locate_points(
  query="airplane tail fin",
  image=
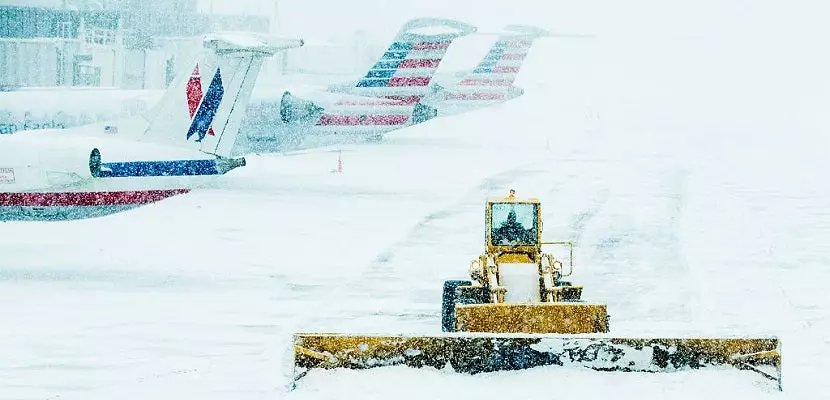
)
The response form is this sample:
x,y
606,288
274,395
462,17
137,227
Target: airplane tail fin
x,y
209,122
492,79
405,69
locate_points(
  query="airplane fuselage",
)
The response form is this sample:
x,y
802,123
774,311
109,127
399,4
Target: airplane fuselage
x,y
49,176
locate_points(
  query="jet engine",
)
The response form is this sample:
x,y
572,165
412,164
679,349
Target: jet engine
x,y
294,109
423,112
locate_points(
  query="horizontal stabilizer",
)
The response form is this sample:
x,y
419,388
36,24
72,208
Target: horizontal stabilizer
x,y
125,169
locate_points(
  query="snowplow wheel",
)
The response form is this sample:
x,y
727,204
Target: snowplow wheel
x,y
448,304
472,295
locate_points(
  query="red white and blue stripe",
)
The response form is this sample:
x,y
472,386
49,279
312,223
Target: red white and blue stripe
x,y
390,89
404,65
492,79
395,84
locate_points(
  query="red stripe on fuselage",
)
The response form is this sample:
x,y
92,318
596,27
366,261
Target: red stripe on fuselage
x,y
409,100
47,199
474,96
362,120
382,101
370,102
485,82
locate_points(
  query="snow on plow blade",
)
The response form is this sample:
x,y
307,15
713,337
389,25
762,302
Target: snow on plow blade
x,y
474,353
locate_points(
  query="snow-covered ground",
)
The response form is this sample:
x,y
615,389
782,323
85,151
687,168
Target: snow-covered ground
x,y
698,207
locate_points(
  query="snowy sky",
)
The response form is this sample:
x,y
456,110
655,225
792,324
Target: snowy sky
x,y
728,60
652,17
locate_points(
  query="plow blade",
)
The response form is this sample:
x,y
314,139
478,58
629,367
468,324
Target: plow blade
x,y
559,317
474,353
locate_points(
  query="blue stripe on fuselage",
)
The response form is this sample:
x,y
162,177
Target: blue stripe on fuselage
x,y
158,168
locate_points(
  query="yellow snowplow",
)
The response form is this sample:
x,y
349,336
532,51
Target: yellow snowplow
x,y
517,312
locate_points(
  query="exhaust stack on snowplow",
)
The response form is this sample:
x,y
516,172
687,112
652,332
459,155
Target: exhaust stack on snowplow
x,y
516,312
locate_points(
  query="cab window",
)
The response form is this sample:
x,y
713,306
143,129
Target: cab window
x,y
514,224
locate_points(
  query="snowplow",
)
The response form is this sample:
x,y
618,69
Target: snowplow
x,y
517,311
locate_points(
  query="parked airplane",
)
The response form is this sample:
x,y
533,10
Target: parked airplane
x,y
492,80
386,98
60,174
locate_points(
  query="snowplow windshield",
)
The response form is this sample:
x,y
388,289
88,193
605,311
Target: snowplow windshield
x,y
513,224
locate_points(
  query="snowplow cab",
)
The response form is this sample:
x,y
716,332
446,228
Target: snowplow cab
x,y
514,286
514,226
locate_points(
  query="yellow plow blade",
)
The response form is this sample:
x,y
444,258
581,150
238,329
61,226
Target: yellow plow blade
x,y
560,317
474,353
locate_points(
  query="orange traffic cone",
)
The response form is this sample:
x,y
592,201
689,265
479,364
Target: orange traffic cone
x,y
339,168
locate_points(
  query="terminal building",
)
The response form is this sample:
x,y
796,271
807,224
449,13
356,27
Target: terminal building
x,y
132,44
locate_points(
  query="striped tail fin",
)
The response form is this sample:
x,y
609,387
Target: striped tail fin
x,y
406,68
388,96
491,81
